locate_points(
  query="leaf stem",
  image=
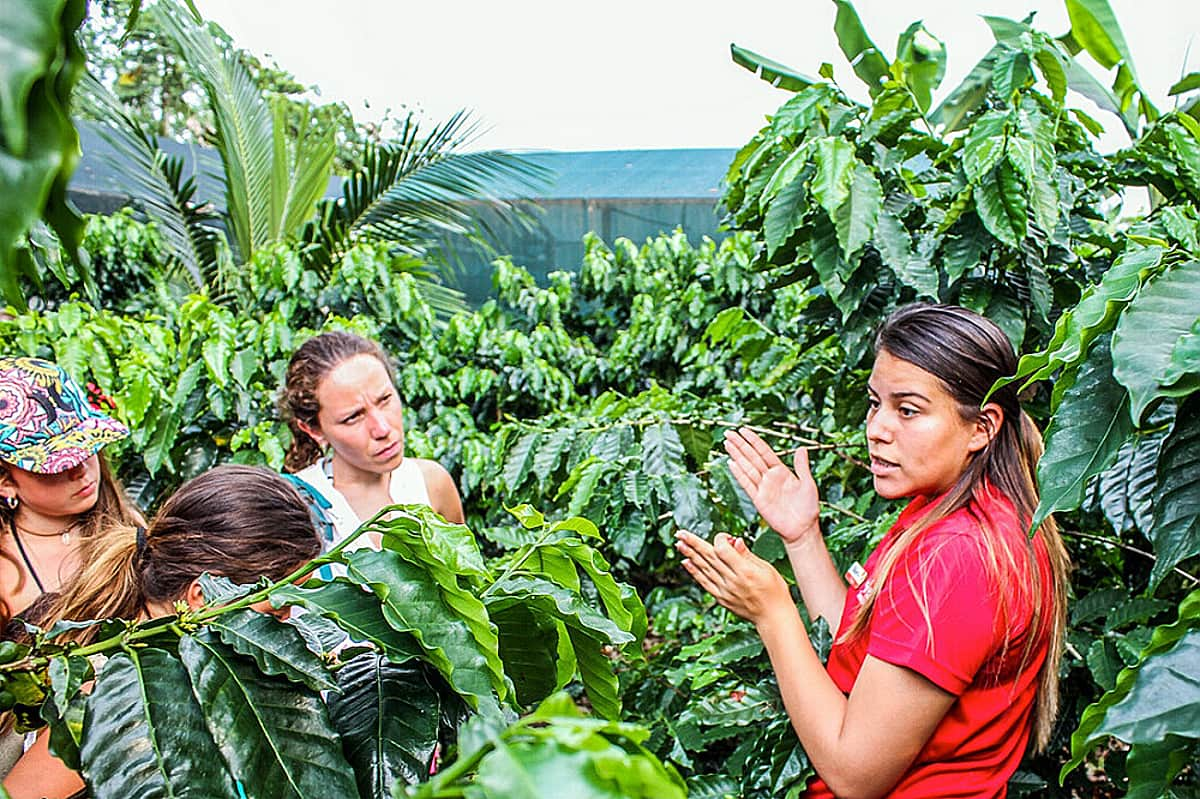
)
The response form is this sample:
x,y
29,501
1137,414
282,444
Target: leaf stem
x,y
464,765
519,562
457,769
785,433
153,627
667,514
1119,544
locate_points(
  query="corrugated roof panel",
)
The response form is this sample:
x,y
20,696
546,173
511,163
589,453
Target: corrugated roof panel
x,y
643,174
601,174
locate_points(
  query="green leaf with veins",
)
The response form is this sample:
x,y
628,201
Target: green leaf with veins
x,y
145,734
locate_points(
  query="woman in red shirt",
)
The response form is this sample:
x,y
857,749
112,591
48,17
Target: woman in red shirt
x,y
947,642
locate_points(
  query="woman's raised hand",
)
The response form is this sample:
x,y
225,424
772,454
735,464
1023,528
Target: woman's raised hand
x,y
787,499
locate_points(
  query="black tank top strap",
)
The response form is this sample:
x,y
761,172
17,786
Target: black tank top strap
x,y
25,557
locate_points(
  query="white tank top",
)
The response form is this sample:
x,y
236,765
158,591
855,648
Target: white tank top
x,y
407,487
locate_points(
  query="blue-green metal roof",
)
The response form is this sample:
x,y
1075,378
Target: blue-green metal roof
x,y
636,174
99,179
603,174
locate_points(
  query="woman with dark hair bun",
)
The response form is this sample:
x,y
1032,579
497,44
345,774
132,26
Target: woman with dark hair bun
x,y
947,641
347,423
240,522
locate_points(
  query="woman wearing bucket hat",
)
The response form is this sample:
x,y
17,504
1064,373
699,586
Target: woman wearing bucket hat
x,y
55,485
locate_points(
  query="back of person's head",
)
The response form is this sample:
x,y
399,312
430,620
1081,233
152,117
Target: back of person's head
x,y
239,522
310,363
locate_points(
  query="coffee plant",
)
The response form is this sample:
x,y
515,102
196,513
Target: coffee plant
x,y
406,642
603,394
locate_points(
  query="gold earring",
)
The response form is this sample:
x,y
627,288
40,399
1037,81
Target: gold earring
x,y
12,502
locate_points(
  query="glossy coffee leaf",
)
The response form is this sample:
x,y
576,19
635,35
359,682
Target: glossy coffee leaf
x,y
277,648
387,715
1090,426
275,735
1145,339
1176,531
451,624
145,735
356,611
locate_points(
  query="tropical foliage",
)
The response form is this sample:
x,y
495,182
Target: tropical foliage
x,y
38,143
602,395
411,191
529,354
407,639
130,53
1006,216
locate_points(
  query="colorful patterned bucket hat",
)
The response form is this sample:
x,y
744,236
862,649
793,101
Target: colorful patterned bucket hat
x,y
46,423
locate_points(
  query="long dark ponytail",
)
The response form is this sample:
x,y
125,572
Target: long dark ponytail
x,y
968,353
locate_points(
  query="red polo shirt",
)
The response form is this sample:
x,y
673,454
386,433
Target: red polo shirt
x,y
961,648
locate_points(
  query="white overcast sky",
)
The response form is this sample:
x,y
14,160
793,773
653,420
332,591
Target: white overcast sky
x,y
561,75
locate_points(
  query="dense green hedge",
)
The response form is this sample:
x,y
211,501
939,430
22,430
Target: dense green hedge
x,y
603,393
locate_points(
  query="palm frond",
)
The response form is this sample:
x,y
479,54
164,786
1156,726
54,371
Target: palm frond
x,y
244,137
298,178
155,180
415,189
443,300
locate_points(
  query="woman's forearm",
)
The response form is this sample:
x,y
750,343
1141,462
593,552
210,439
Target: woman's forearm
x,y
821,587
860,745
40,775
815,706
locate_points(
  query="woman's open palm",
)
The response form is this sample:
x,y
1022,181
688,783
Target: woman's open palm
x,y
787,499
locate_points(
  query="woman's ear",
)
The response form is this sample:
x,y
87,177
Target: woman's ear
x,y
194,595
8,487
312,432
987,425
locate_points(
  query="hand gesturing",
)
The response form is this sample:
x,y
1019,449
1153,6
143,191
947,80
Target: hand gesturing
x,y
737,578
787,500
